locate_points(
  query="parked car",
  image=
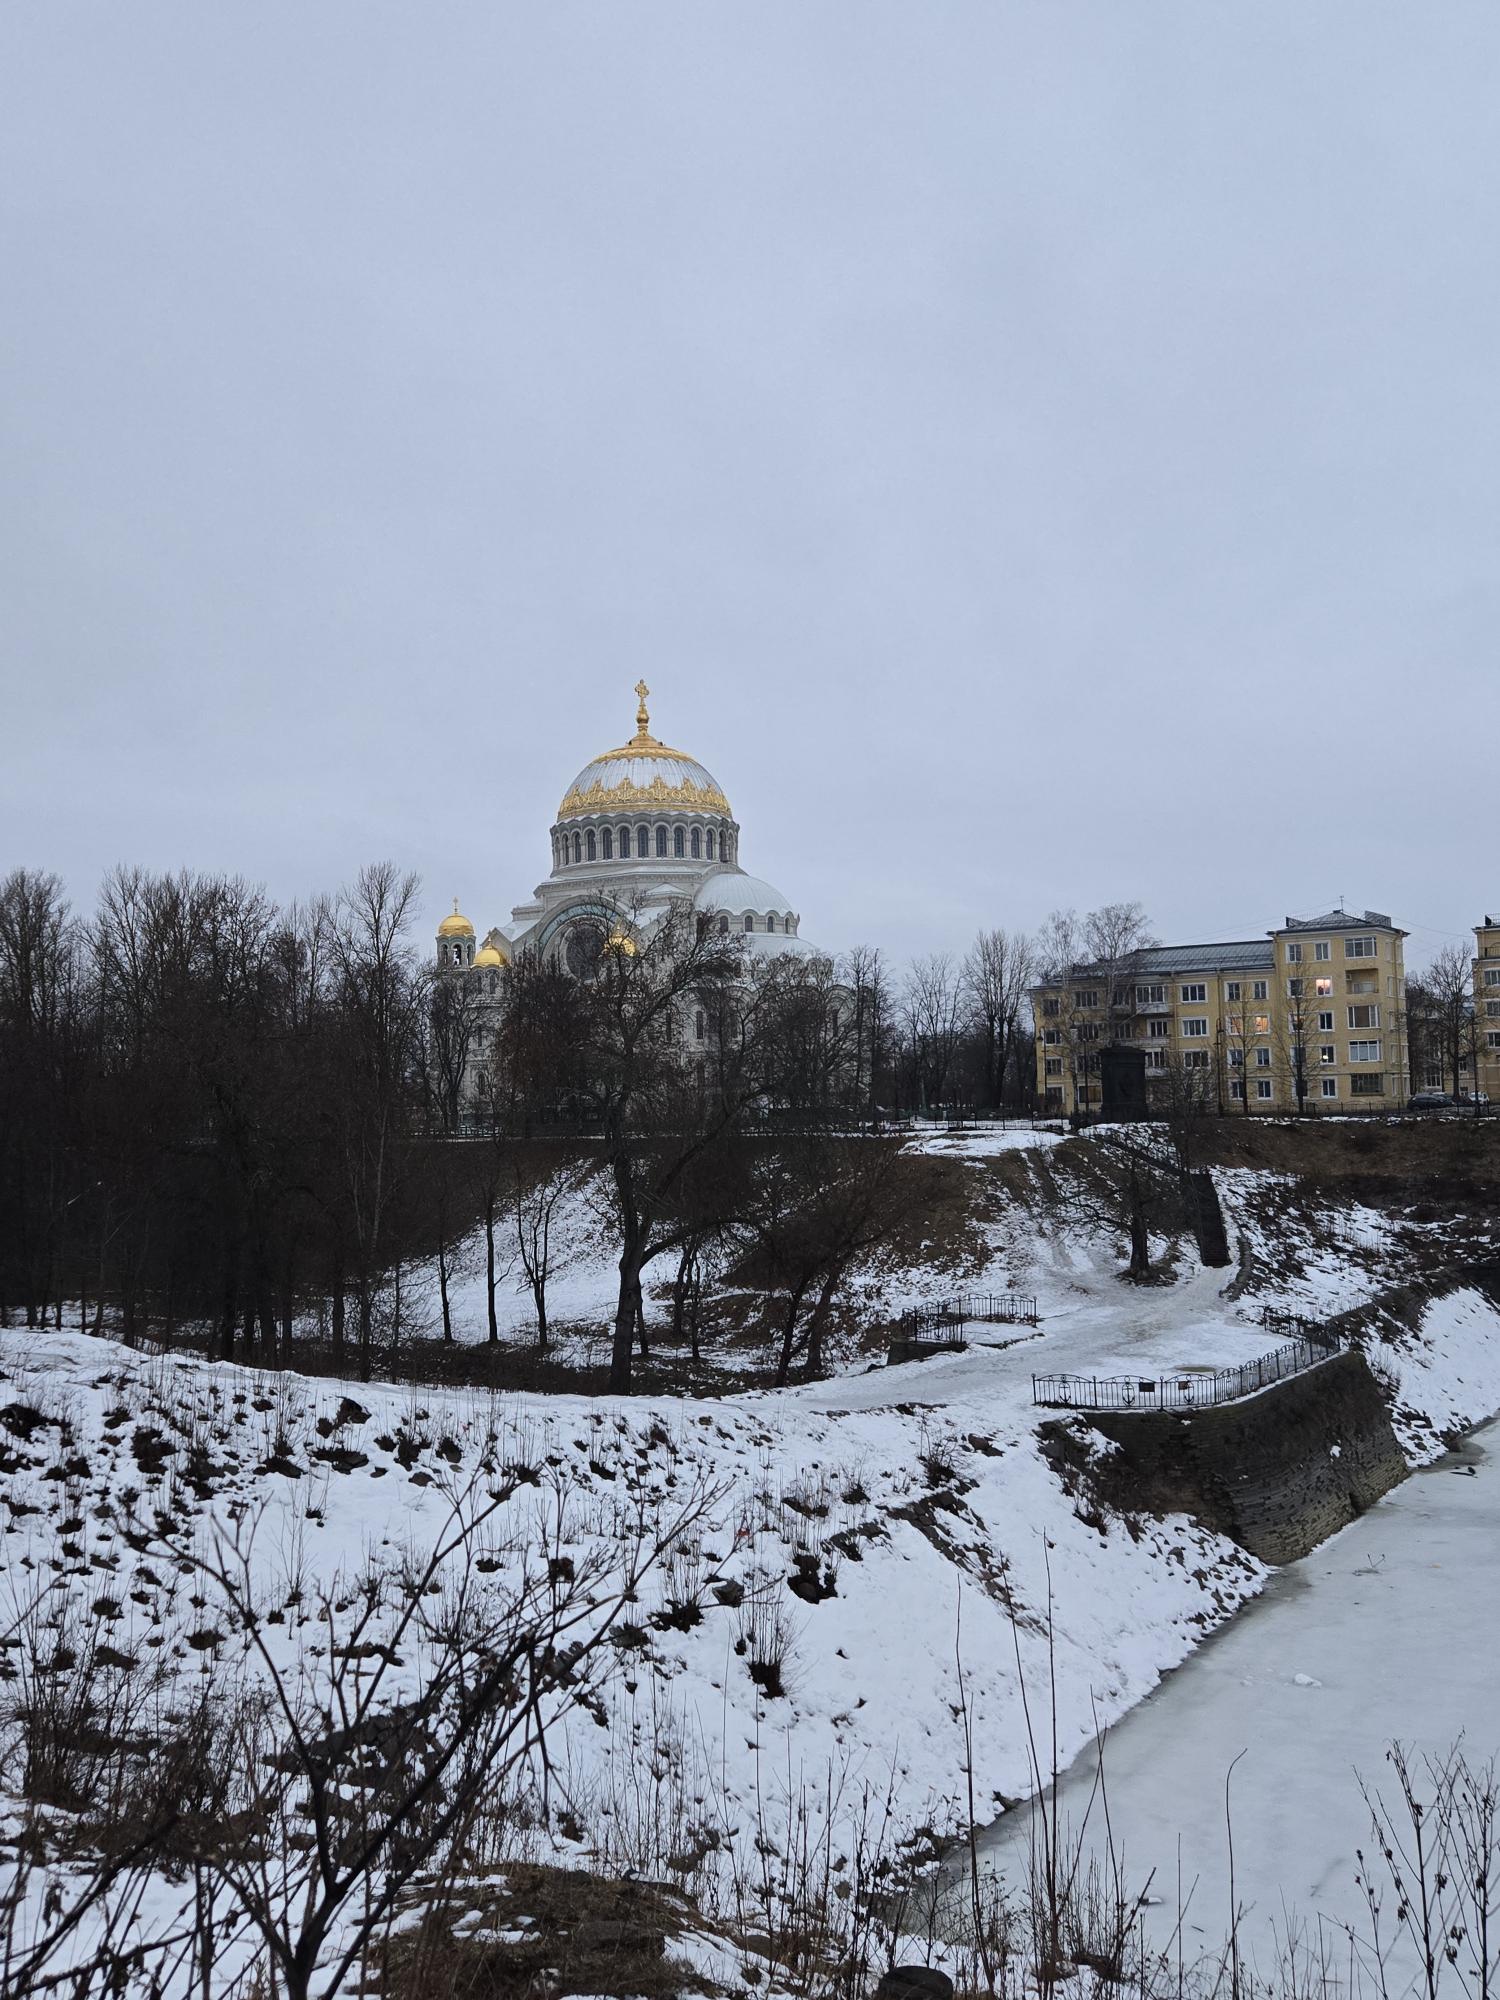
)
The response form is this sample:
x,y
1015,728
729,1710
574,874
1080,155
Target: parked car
x,y
1471,1098
1430,1100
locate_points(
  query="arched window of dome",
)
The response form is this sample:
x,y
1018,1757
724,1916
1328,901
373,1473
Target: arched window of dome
x,y
590,845
643,841
661,843
492,981
624,843
749,920
708,844
697,843
607,838
700,1025
578,847
679,844
771,921
723,926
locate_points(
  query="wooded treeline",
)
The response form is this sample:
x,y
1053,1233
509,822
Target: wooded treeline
x,y
220,1113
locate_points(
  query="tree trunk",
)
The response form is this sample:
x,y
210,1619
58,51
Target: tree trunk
x,y
443,1288
1140,1243
789,1335
817,1326
489,1262
366,1327
338,1314
539,1299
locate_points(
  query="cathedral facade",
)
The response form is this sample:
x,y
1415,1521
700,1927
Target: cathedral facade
x,y
640,829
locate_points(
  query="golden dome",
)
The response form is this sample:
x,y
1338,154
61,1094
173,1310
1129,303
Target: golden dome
x,y
488,956
643,773
457,925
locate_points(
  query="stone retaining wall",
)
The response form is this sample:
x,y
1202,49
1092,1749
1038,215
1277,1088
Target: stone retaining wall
x,y
1279,1472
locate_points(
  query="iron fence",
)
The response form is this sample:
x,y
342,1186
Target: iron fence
x,y
1183,1389
947,1318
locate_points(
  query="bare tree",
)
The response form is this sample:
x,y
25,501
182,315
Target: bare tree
x,y
535,1202
932,1017
996,975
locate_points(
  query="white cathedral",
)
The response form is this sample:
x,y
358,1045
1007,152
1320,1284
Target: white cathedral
x,y
639,829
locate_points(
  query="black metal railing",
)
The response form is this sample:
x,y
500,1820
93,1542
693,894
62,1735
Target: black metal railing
x,y
1183,1389
946,1318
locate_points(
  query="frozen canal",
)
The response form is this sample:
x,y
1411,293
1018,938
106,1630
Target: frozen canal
x,y
1389,1630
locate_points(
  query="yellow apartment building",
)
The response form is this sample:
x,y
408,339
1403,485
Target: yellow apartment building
x,y
1310,1017
1487,1006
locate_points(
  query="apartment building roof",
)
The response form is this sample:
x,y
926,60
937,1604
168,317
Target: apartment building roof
x,y
1235,955
1341,920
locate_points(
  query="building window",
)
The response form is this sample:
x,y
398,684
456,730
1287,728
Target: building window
x,y
661,843
1492,1038
1330,1086
577,847
1367,1085
1360,947
1237,1090
1054,1098
624,843
1492,975
749,921
1194,1027
1261,1024
1156,1059
1492,1010
1088,1031
1051,1008
1156,996
1195,1058
1294,989
1232,990
1236,1058
1263,1086
1323,988
1322,949
1294,954
643,841
607,838
1086,999
1261,990
697,843
1158,1030
1364,1017
1262,1058
1194,995
679,844
1051,1037
1364,1052
700,1025
708,844
771,921
1327,1054
1052,1066
723,927
1325,1024
590,846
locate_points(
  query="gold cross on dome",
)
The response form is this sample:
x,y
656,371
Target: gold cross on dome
x,y
642,719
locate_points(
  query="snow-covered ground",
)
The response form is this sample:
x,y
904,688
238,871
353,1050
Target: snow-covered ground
x,y
953,1566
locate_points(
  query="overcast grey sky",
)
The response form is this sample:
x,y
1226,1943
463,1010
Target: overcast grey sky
x,y
1036,454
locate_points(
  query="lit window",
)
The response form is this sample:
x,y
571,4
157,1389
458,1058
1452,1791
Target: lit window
x,y
1323,988
1327,1053
1262,1024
